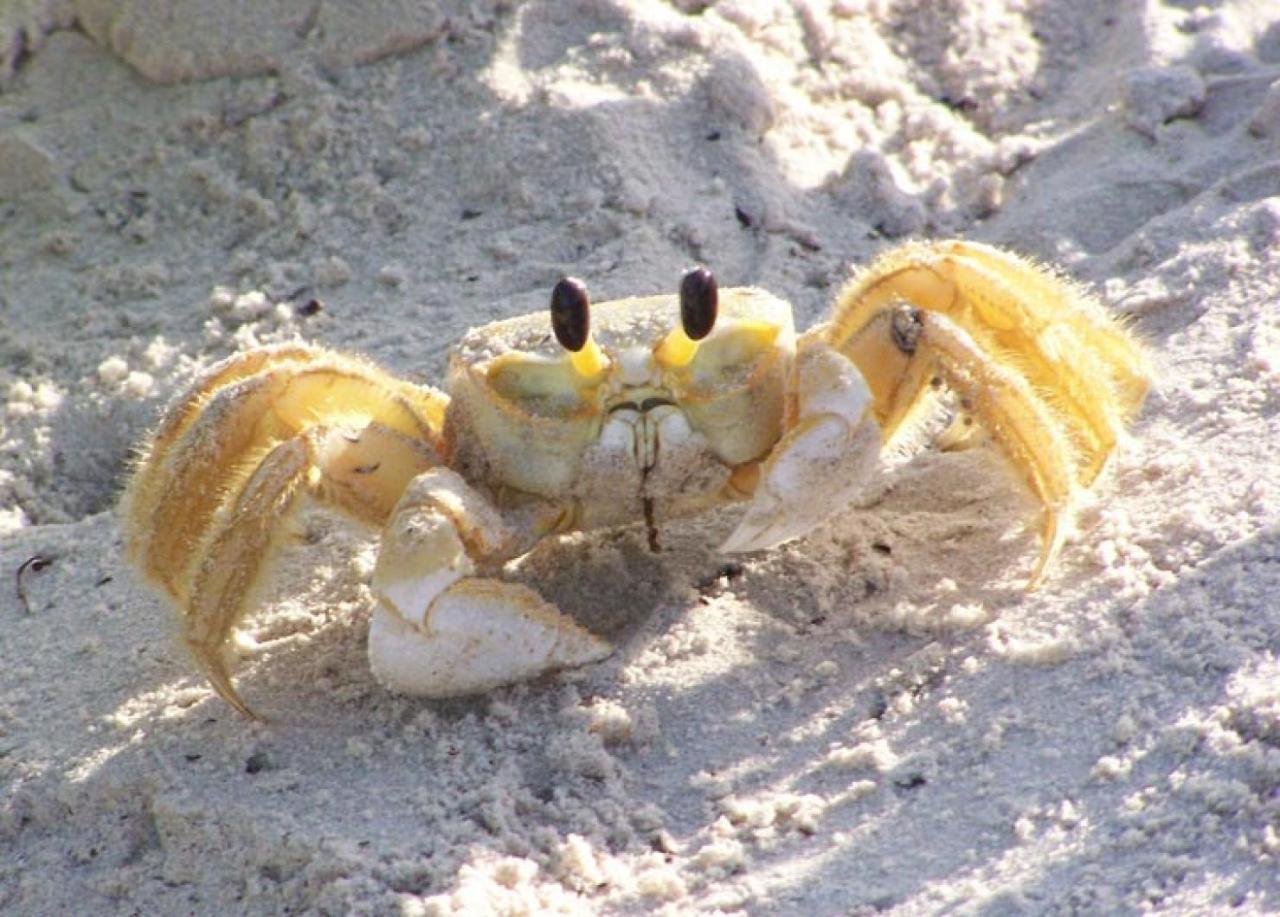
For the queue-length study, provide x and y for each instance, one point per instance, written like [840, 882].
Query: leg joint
[906, 327]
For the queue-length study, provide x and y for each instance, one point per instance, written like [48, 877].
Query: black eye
[571, 314]
[699, 300]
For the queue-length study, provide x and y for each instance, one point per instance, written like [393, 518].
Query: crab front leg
[441, 631]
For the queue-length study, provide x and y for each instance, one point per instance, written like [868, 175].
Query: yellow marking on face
[590, 361]
[677, 349]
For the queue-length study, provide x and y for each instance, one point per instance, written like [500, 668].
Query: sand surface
[877, 718]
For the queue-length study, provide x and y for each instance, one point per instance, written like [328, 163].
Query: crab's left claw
[823, 462]
[439, 631]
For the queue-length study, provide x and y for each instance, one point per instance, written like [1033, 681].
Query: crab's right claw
[438, 631]
[822, 463]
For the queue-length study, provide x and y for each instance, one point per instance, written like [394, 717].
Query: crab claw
[822, 463]
[439, 632]
[478, 635]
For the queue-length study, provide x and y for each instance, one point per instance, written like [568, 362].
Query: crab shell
[643, 427]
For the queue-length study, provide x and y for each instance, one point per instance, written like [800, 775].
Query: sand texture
[876, 718]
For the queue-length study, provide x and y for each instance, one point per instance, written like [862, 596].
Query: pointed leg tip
[1052, 538]
[215, 669]
[226, 690]
[223, 687]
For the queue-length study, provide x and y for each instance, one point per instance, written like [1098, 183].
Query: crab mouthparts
[650, 526]
[642, 407]
[646, 457]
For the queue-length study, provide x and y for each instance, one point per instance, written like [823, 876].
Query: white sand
[876, 718]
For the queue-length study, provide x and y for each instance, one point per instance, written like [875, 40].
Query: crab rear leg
[440, 631]
[1083, 365]
[355, 471]
[997, 397]
[210, 500]
[1035, 360]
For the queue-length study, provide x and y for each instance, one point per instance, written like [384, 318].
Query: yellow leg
[1005, 404]
[213, 438]
[242, 539]
[1091, 374]
[336, 466]
[1036, 361]
[211, 497]
[152, 477]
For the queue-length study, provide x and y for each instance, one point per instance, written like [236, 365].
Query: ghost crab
[646, 408]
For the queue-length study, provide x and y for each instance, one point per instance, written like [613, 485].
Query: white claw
[440, 632]
[477, 635]
[821, 464]
[825, 465]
